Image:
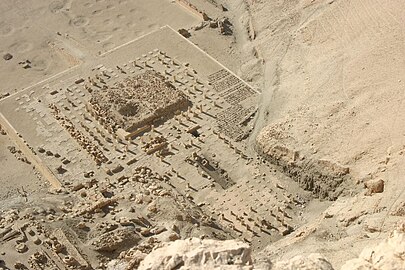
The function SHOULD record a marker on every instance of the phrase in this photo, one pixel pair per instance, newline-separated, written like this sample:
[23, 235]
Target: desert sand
[202, 134]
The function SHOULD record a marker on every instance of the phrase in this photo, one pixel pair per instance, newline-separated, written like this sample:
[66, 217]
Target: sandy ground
[55, 35]
[17, 177]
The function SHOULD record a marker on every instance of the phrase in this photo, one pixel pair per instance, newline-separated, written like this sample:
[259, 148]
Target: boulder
[184, 32]
[374, 186]
[389, 254]
[301, 262]
[116, 240]
[194, 253]
[7, 56]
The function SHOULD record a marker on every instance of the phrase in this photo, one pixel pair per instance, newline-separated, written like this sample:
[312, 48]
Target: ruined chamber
[134, 104]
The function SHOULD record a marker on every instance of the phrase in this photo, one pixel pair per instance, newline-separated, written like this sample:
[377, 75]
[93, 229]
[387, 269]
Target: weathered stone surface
[313, 261]
[117, 265]
[389, 254]
[374, 186]
[116, 240]
[195, 253]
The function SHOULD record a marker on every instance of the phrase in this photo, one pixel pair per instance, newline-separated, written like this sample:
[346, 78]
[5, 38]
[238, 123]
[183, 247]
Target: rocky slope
[389, 254]
[333, 93]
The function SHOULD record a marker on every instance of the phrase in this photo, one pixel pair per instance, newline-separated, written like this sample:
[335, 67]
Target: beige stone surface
[389, 254]
[313, 261]
[199, 254]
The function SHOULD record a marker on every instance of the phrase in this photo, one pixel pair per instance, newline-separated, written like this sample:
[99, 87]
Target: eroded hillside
[334, 90]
